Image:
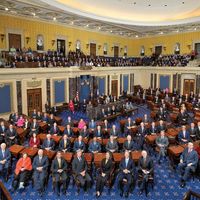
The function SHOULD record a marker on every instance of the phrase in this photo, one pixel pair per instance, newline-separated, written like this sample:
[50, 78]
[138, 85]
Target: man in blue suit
[188, 163]
[2, 132]
[11, 136]
[54, 129]
[94, 146]
[68, 131]
[127, 168]
[184, 136]
[65, 144]
[92, 125]
[129, 144]
[5, 158]
[40, 167]
[79, 144]
[48, 143]
[98, 133]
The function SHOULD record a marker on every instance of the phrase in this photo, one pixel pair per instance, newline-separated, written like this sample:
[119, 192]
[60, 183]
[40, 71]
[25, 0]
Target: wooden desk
[58, 120]
[42, 137]
[98, 157]
[172, 132]
[62, 128]
[43, 126]
[151, 139]
[117, 157]
[67, 156]
[16, 149]
[22, 134]
[50, 154]
[31, 151]
[175, 150]
[88, 158]
[136, 155]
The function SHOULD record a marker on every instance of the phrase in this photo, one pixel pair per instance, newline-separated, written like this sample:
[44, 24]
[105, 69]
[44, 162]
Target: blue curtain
[59, 91]
[85, 87]
[101, 86]
[5, 99]
[125, 82]
[164, 82]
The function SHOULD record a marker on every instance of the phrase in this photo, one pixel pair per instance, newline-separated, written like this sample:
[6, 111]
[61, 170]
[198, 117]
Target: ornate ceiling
[126, 18]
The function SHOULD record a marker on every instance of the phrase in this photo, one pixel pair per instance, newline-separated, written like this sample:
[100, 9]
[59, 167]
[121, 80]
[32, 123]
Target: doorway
[61, 46]
[34, 100]
[114, 88]
[116, 51]
[188, 86]
[158, 50]
[14, 41]
[197, 49]
[93, 50]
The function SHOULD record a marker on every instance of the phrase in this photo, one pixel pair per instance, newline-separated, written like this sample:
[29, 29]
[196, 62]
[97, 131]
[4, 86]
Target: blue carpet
[166, 181]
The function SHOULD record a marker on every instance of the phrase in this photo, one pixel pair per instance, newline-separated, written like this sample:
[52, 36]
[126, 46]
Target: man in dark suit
[192, 131]
[68, 131]
[112, 145]
[114, 132]
[11, 136]
[40, 167]
[34, 114]
[129, 144]
[183, 136]
[198, 131]
[188, 163]
[153, 130]
[64, 144]
[48, 143]
[45, 118]
[161, 126]
[59, 170]
[12, 117]
[80, 170]
[162, 143]
[145, 165]
[94, 146]
[127, 169]
[79, 144]
[3, 130]
[183, 117]
[140, 135]
[98, 133]
[34, 128]
[51, 121]
[129, 124]
[69, 121]
[84, 132]
[5, 161]
[161, 114]
[54, 129]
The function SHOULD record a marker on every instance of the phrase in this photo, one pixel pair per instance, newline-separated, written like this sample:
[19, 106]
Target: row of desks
[17, 150]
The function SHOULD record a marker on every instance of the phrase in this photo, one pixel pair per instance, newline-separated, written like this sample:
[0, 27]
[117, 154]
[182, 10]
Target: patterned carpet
[166, 181]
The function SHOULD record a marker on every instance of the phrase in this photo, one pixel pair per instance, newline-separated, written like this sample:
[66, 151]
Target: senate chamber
[100, 99]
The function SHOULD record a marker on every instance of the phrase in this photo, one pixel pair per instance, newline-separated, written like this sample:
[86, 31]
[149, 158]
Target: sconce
[87, 45]
[151, 49]
[164, 48]
[121, 49]
[70, 43]
[99, 47]
[112, 48]
[2, 37]
[27, 40]
[189, 46]
[53, 42]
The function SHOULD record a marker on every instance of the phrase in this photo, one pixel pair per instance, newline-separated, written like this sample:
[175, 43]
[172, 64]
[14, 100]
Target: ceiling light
[161, 32]
[111, 31]
[33, 14]
[195, 28]
[177, 31]
[72, 22]
[6, 9]
[87, 25]
[136, 36]
[165, 5]
[183, 2]
[149, 5]
[54, 19]
[99, 27]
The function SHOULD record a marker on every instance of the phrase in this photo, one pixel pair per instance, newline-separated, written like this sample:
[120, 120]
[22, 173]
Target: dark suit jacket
[130, 166]
[129, 146]
[98, 134]
[51, 122]
[79, 146]
[79, 166]
[55, 165]
[181, 136]
[1, 129]
[52, 131]
[148, 165]
[191, 157]
[192, 132]
[142, 132]
[45, 144]
[44, 163]
[94, 147]
[152, 130]
[36, 127]
[106, 167]
[11, 134]
[116, 134]
[84, 134]
[68, 133]
[161, 128]
[7, 155]
[61, 145]
[112, 146]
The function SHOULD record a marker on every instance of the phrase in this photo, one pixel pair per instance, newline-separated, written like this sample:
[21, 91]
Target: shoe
[140, 192]
[126, 195]
[121, 194]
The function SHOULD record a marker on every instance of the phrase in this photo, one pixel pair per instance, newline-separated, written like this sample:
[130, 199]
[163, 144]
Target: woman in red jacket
[71, 106]
[34, 141]
[22, 171]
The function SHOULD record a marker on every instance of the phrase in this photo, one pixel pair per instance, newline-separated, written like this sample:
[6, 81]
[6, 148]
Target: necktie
[126, 162]
[48, 143]
[59, 163]
[3, 153]
[65, 144]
